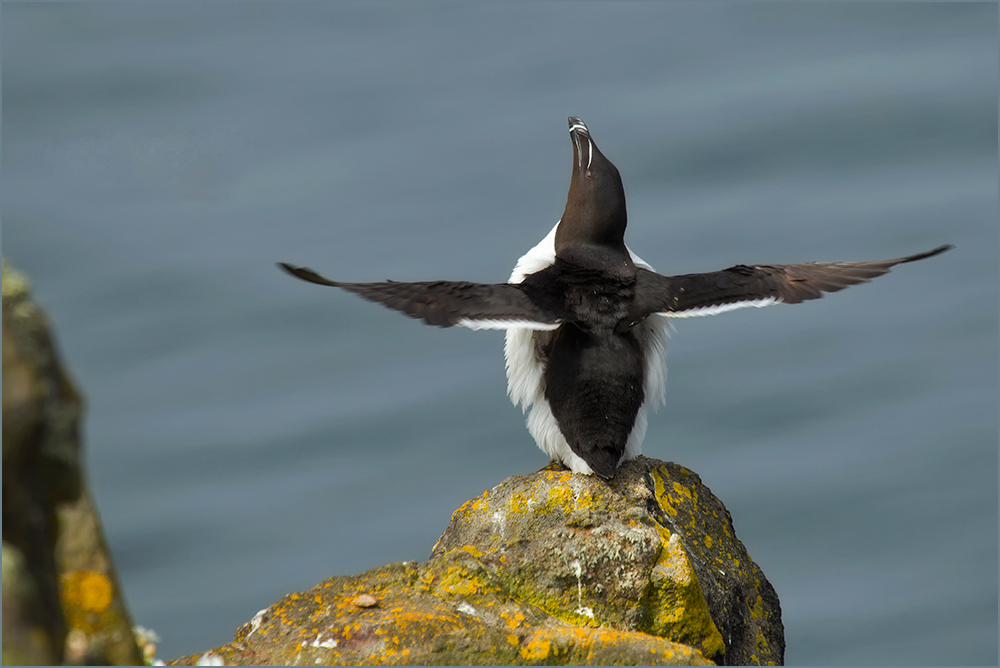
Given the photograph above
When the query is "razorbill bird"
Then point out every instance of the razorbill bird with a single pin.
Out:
(586, 319)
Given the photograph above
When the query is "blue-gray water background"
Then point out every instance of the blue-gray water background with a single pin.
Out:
(249, 435)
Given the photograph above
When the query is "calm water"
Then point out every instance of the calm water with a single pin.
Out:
(249, 435)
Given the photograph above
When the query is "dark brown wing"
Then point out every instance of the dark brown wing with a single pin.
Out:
(536, 303)
(739, 286)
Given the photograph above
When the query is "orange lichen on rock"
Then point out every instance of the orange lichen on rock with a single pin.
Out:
(86, 591)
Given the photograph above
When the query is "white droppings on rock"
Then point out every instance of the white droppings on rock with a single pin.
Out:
(500, 519)
(581, 609)
(576, 483)
(210, 659)
(467, 609)
(257, 620)
(329, 643)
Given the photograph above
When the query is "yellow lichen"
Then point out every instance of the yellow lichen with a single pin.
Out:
(87, 591)
(578, 645)
(458, 581)
(470, 506)
(585, 500)
(473, 550)
(513, 621)
(519, 503)
(678, 608)
(682, 491)
(660, 491)
(561, 496)
(535, 650)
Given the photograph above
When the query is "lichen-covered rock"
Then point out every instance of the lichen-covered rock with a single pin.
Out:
(550, 568)
(49, 522)
(652, 551)
(580, 549)
(742, 602)
(451, 610)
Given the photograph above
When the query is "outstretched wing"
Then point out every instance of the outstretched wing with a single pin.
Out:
(535, 303)
(740, 286)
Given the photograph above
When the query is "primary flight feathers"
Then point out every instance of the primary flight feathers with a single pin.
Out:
(742, 285)
(540, 301)
(447, 303)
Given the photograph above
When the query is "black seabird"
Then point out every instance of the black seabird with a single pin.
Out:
(586, 319)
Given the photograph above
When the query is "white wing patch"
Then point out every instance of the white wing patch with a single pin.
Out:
(536, 259)
(506, 324)
(721, 308)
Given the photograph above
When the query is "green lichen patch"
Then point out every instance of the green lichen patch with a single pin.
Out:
(675, 606)
(741, 601)
(604, 647)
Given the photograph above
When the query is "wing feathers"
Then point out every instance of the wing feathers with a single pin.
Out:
(538, 301)
(532, 303)
(742, 285)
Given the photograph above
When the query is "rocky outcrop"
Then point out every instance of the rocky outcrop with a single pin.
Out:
(547, 568)
(61, 598)
(652, 551)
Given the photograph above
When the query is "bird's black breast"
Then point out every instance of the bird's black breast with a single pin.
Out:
(594, 385)
(594, 372)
